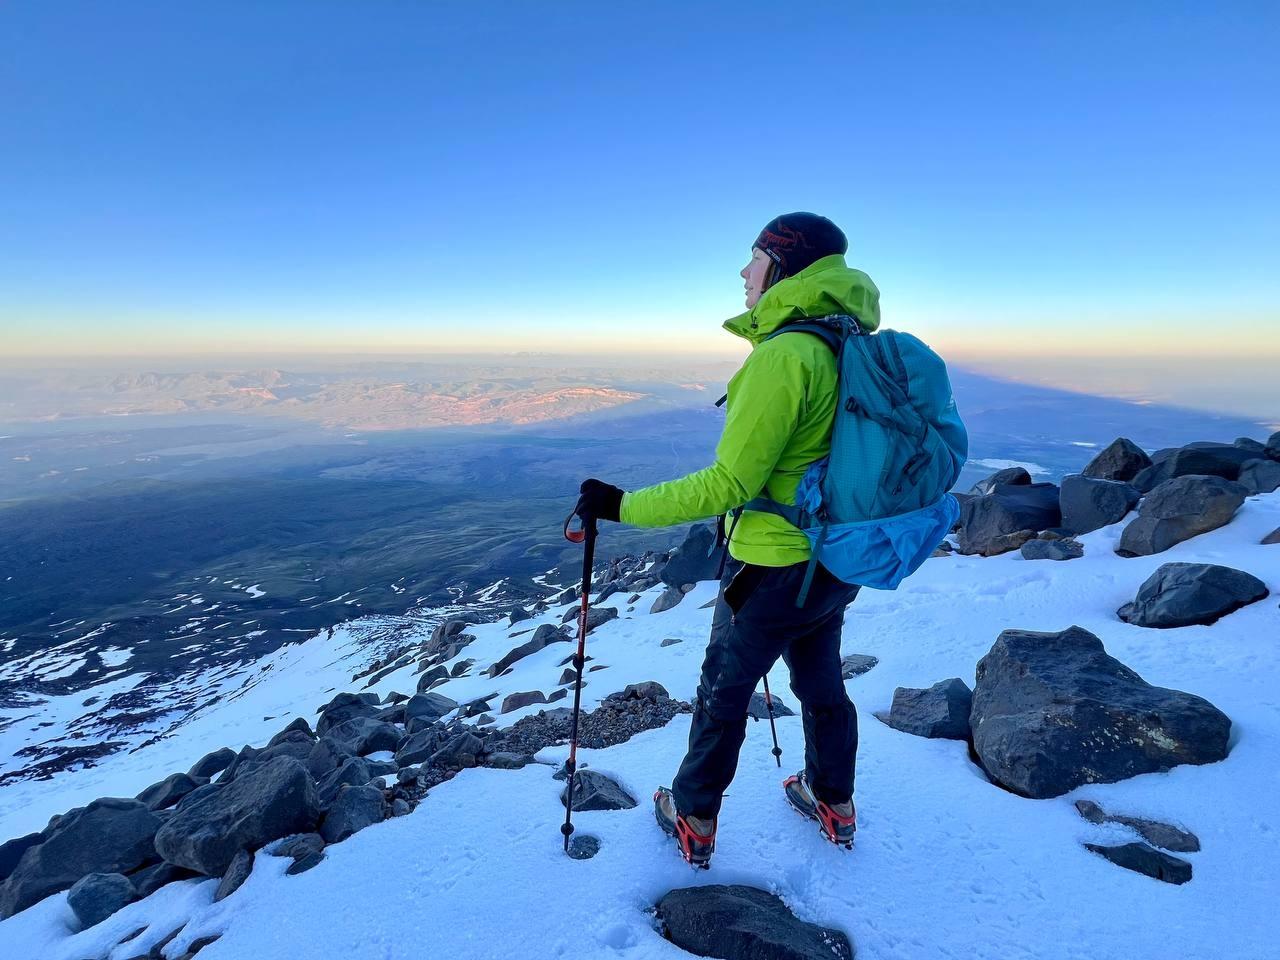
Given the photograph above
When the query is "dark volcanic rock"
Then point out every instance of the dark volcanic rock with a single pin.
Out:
(353, 772)
(97, 896)
(515, 701)
(1121, 460)
(1273, 446)
(1052, 711)
(940, 711)
(743, 923)
(298, 846)
(213, 763)
(856, 664)
(1009, 509)
(1153, 831)
(1260, 476)
(170, 790)
(690, 561)
(1271, 538)
(1089, 504)
(544, 635)
(353, 810)
(429, 706)
(463, 750)
(237, 873)
(110, 835)
(758, 709)
(1060, 549)
(150, 879)
(270, 801)
(11, 852)
(595, 617)
(1181, 594)
(1178, 510)
(667, 599)
(361, 735)
(345, 706)
(518, 613)
(1143, 858)
(325, 757)
(419, 747)
(645, 690)
(1198, 459)
(435, 675)
(584, 846)
(595, 791)
(1017, 476)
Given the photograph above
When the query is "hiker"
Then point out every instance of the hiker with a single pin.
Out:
(781, 407)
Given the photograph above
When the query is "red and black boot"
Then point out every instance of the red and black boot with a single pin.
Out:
(837, 822)
(695, 837)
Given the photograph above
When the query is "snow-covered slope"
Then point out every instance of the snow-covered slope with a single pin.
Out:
(946, 863)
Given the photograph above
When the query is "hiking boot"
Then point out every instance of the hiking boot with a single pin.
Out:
(695, 837)
(837, 822)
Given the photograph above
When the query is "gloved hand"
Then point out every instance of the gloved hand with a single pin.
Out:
(599, 499)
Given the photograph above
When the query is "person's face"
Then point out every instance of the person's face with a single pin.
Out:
(754, 274)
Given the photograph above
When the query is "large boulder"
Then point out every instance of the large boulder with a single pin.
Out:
(544, 635)
(595, 617)
(987, 522)
(744, 923)
(355, 771)
(213, 763)
(170, 790)
(270, 801)
(1052, 711)
(443, 636)
(1198, 459)
(419, 747)
(1260, 476)
(110, 835)
(95, 897)
(345, 706)
(1120, 460)
(429, 707)
(1089, 504)
(354, 809)
(1182, 594)
(1273, 446)
(11, 852)
(515, 701)
(1015, 475)
(1178, 510)
(695, 559)
(940, 711)
(361, 735)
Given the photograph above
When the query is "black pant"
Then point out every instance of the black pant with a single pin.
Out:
(741, 651)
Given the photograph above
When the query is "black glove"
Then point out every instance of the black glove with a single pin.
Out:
(599, 499)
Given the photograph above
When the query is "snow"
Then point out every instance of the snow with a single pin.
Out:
(997, 464)
(946, 864)
(114, 656)
(255, 591)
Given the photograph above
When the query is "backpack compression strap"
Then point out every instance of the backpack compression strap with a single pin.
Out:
(833, 330)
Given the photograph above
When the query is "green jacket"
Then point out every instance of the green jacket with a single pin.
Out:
(778, 418)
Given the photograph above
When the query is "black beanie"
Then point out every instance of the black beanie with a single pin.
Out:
(795, 240)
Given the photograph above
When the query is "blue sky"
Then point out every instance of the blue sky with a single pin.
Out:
(1018, 178)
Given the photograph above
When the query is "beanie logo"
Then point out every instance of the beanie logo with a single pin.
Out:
(787, 240)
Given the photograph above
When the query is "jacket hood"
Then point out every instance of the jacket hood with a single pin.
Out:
(824, 287)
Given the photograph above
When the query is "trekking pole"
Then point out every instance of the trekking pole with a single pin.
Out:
(768, 698)
(586, 533)
(768, 702)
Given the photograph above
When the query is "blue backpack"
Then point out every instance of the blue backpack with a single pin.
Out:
(878, 504)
